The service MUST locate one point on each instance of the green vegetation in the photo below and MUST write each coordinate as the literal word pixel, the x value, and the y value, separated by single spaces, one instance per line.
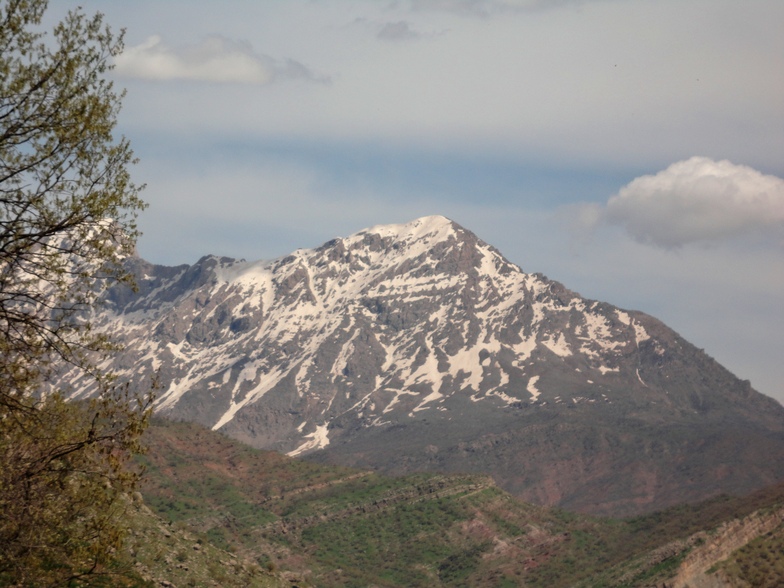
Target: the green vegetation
pixel 342 527
pixel 67 219
pixel 760 563
pixel 227 515
pixel 408 532
pixel 155 552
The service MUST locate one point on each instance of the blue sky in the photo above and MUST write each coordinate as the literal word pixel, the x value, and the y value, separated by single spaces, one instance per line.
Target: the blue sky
pixel 631 149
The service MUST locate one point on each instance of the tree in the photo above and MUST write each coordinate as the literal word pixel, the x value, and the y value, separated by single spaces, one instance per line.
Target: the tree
pixel 67 220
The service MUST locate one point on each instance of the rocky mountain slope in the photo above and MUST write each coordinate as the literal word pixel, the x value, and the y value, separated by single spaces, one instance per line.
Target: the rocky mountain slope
pixel 419 347
pixel 158 553
pixel 742 551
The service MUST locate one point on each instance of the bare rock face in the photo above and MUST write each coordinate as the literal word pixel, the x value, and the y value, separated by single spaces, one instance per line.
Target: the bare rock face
pixel 695 571
pixel 419 347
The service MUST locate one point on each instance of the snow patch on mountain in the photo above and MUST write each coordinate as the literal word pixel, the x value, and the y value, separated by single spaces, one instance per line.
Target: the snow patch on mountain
pixel 532 389
pixel 318 439
pixel 391 321
pixel 558 345
pixel 264 383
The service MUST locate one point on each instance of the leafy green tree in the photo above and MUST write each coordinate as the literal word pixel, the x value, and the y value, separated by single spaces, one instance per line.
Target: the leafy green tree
pixel 67 220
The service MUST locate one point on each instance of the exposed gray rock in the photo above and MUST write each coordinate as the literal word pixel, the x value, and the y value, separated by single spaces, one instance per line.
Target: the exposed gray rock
pixel 374 349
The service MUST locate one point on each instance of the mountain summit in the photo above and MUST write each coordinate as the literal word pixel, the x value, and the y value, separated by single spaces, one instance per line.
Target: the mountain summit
pixel 418 346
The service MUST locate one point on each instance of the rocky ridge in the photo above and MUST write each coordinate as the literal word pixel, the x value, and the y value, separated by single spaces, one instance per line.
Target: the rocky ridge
pixel 418 346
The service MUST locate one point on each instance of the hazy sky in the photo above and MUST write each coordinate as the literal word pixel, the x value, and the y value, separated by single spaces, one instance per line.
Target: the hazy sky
pixel 631 149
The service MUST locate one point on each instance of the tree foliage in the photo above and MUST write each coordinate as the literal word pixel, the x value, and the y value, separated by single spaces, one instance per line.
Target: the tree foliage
pixel 67 219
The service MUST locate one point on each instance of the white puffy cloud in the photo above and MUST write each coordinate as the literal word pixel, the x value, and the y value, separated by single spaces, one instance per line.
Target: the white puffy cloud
pixel 697 200
pixel 216 59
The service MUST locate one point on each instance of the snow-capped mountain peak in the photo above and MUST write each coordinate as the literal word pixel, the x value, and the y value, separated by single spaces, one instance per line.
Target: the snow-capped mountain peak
pixel 407 325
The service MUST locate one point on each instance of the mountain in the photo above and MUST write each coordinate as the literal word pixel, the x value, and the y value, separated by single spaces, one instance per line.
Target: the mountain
pixel 253 512
pixel 419 347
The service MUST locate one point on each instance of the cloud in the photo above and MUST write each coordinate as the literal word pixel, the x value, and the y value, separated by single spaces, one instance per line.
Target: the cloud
pixel 397 31
pixel 216 59
pixel 696 200
pixel 486 8
pixel 529 86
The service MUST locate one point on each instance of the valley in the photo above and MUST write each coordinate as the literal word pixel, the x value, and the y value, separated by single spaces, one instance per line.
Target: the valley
pixel 274 521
